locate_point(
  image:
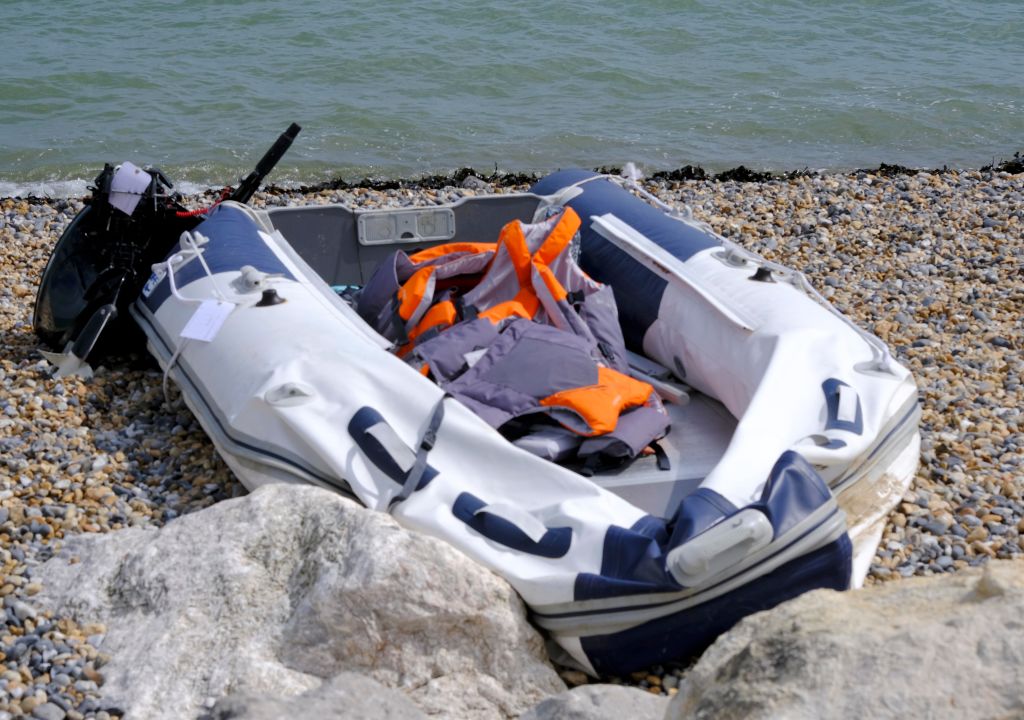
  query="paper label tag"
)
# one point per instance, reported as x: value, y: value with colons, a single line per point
x: 207, y: 320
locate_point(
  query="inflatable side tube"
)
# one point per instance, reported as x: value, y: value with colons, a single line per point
x: 596, y: 196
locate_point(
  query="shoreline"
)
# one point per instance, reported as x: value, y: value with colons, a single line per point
x: 740, y: 173
x: 507, y: 179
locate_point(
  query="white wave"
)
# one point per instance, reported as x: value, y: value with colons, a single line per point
x: 77, y: 187
x: 184, y: 187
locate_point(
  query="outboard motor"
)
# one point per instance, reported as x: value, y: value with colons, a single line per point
x: 102, y: 260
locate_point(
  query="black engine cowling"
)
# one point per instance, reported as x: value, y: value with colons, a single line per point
x: 105, y: 256
x: 99, y: 266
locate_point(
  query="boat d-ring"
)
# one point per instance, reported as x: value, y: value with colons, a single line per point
x: 289, y: 394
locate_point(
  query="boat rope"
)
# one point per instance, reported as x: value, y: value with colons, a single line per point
x: 224, y: 195
x: 190, y: 249
x: 552, y: 204
x: 189, y: 239
x: 167, y: 370
x: 630, y: 179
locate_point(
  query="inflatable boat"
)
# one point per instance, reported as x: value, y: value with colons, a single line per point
x: 792, y: 432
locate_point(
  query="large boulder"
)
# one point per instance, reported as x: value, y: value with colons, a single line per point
x: 942, y: 647
x: 600, y: 702
x: 272, y: 593
x: 347, y: 696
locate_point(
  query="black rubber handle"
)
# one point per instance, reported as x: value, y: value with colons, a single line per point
x: 251, y: 182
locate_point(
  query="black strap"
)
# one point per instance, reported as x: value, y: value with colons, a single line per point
x: 662, y: 457
x: 412, y: 480
x: 464, y: 310
x: 600, y: 462
x: 608, y: 351
x: 427, y: 334
x: 399, y: 325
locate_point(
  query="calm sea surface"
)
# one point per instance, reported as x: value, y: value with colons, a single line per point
x: 385, y: 88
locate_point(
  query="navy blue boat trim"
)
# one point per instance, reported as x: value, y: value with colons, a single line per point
x: 365, y: 418
x: 234, y: 242
x: 793, y: 492
x: 898, y: 427
x: 681, y: 596
x: 603, y: 196
x: 634, y: 563
x: 697, y: 512
x: 638, y: 291
x: 690, y: 631
x: 473, y: 511
x: 832, y: 388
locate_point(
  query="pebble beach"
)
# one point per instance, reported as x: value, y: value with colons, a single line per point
x: 931, y: 262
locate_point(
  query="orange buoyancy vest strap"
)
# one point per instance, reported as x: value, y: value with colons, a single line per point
x: 412, y: 293
x: 437, y: 251
x: 601, y: 404
x: 526, y: 303
x: 413, y: 290
x: 443, y: 314
x: 556, y: 288
x: 559, y: 237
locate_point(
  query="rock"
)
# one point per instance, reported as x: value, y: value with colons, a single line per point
x: 573, y: 678
x: 948, y: 646
x: 270, y: 593
x: 49, y: 711
x: 600, y: 702
x: 472, y: 182
x: 347, y: 696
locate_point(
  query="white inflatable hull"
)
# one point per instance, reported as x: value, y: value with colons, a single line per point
x: 305, y: 391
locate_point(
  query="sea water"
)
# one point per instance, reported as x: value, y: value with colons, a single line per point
x: 405, y: 88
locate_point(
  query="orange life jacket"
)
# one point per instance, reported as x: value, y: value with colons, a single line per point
x: 460, y: 300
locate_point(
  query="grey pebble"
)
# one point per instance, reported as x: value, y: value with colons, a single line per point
x: 23, y: 610
x: 49, y: 711
x: 85, y: 686
x: 934, y: 526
